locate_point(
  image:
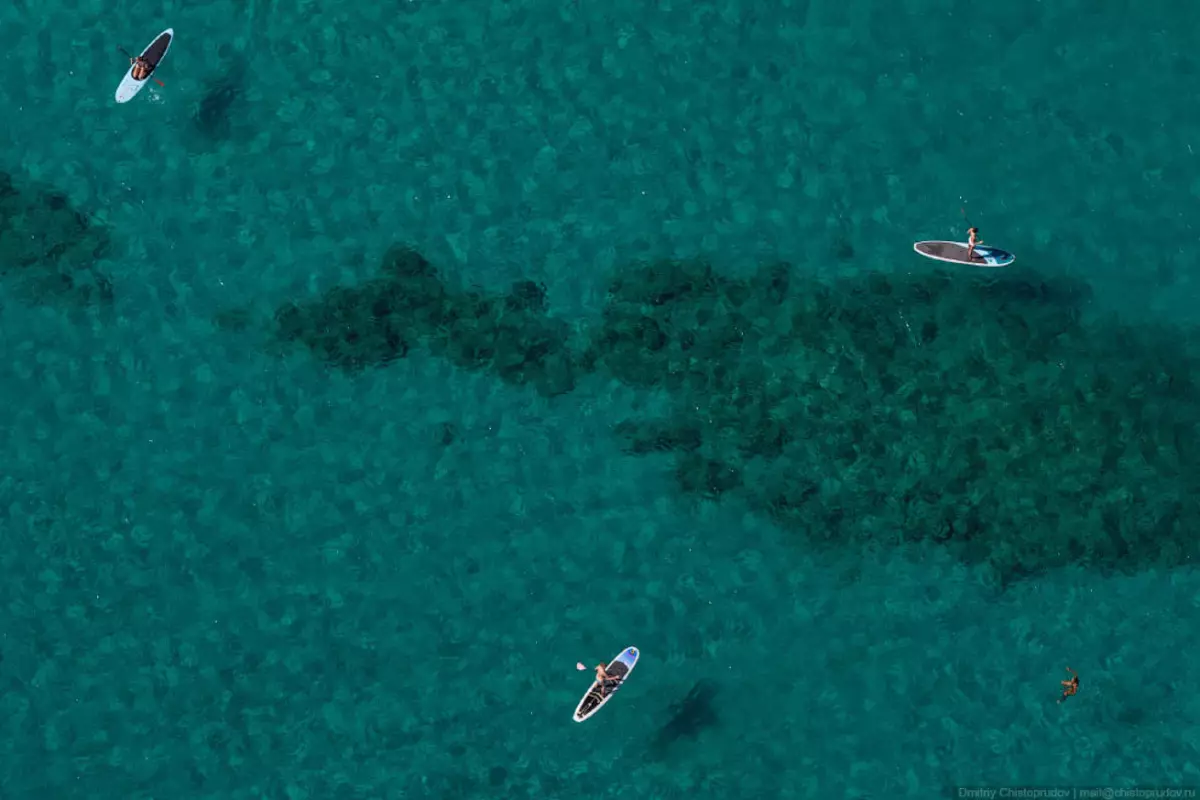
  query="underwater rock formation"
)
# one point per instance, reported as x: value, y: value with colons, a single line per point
x: 48, y: 246
x: 408, y: 305
x: 979, y: 413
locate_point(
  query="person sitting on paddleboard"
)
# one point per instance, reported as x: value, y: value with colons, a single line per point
x: 607, y: 682
x: 972, y: 240
x: 141, y: 68
x: 1071, y: 686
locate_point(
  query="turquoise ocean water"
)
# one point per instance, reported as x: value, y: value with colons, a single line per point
x: 258, y: 544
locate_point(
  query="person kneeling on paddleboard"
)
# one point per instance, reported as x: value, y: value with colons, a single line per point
x: 141, y: 68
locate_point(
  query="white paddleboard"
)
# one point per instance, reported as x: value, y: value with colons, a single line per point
x: 984, y: 255
x: 594, y: 700
x: 154, y: 53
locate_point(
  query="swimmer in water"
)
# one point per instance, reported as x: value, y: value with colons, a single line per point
x: 1071, y: 686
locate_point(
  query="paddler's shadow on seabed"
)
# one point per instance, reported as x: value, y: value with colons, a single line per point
x: 689, y: 717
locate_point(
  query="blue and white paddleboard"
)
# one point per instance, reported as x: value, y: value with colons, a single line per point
x: 956, y: 253
x: 154, y: 53
x: 594, y: 700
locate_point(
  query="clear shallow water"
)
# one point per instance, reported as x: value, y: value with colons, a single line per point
x: 231, y: 572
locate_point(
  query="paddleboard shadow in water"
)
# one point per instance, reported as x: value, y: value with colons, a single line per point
x: 690, y: 717
x: 213, y: 117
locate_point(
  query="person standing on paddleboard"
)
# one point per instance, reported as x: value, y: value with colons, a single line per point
x: 972, y: 240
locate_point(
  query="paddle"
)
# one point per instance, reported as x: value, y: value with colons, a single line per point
x: 131, y: 58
